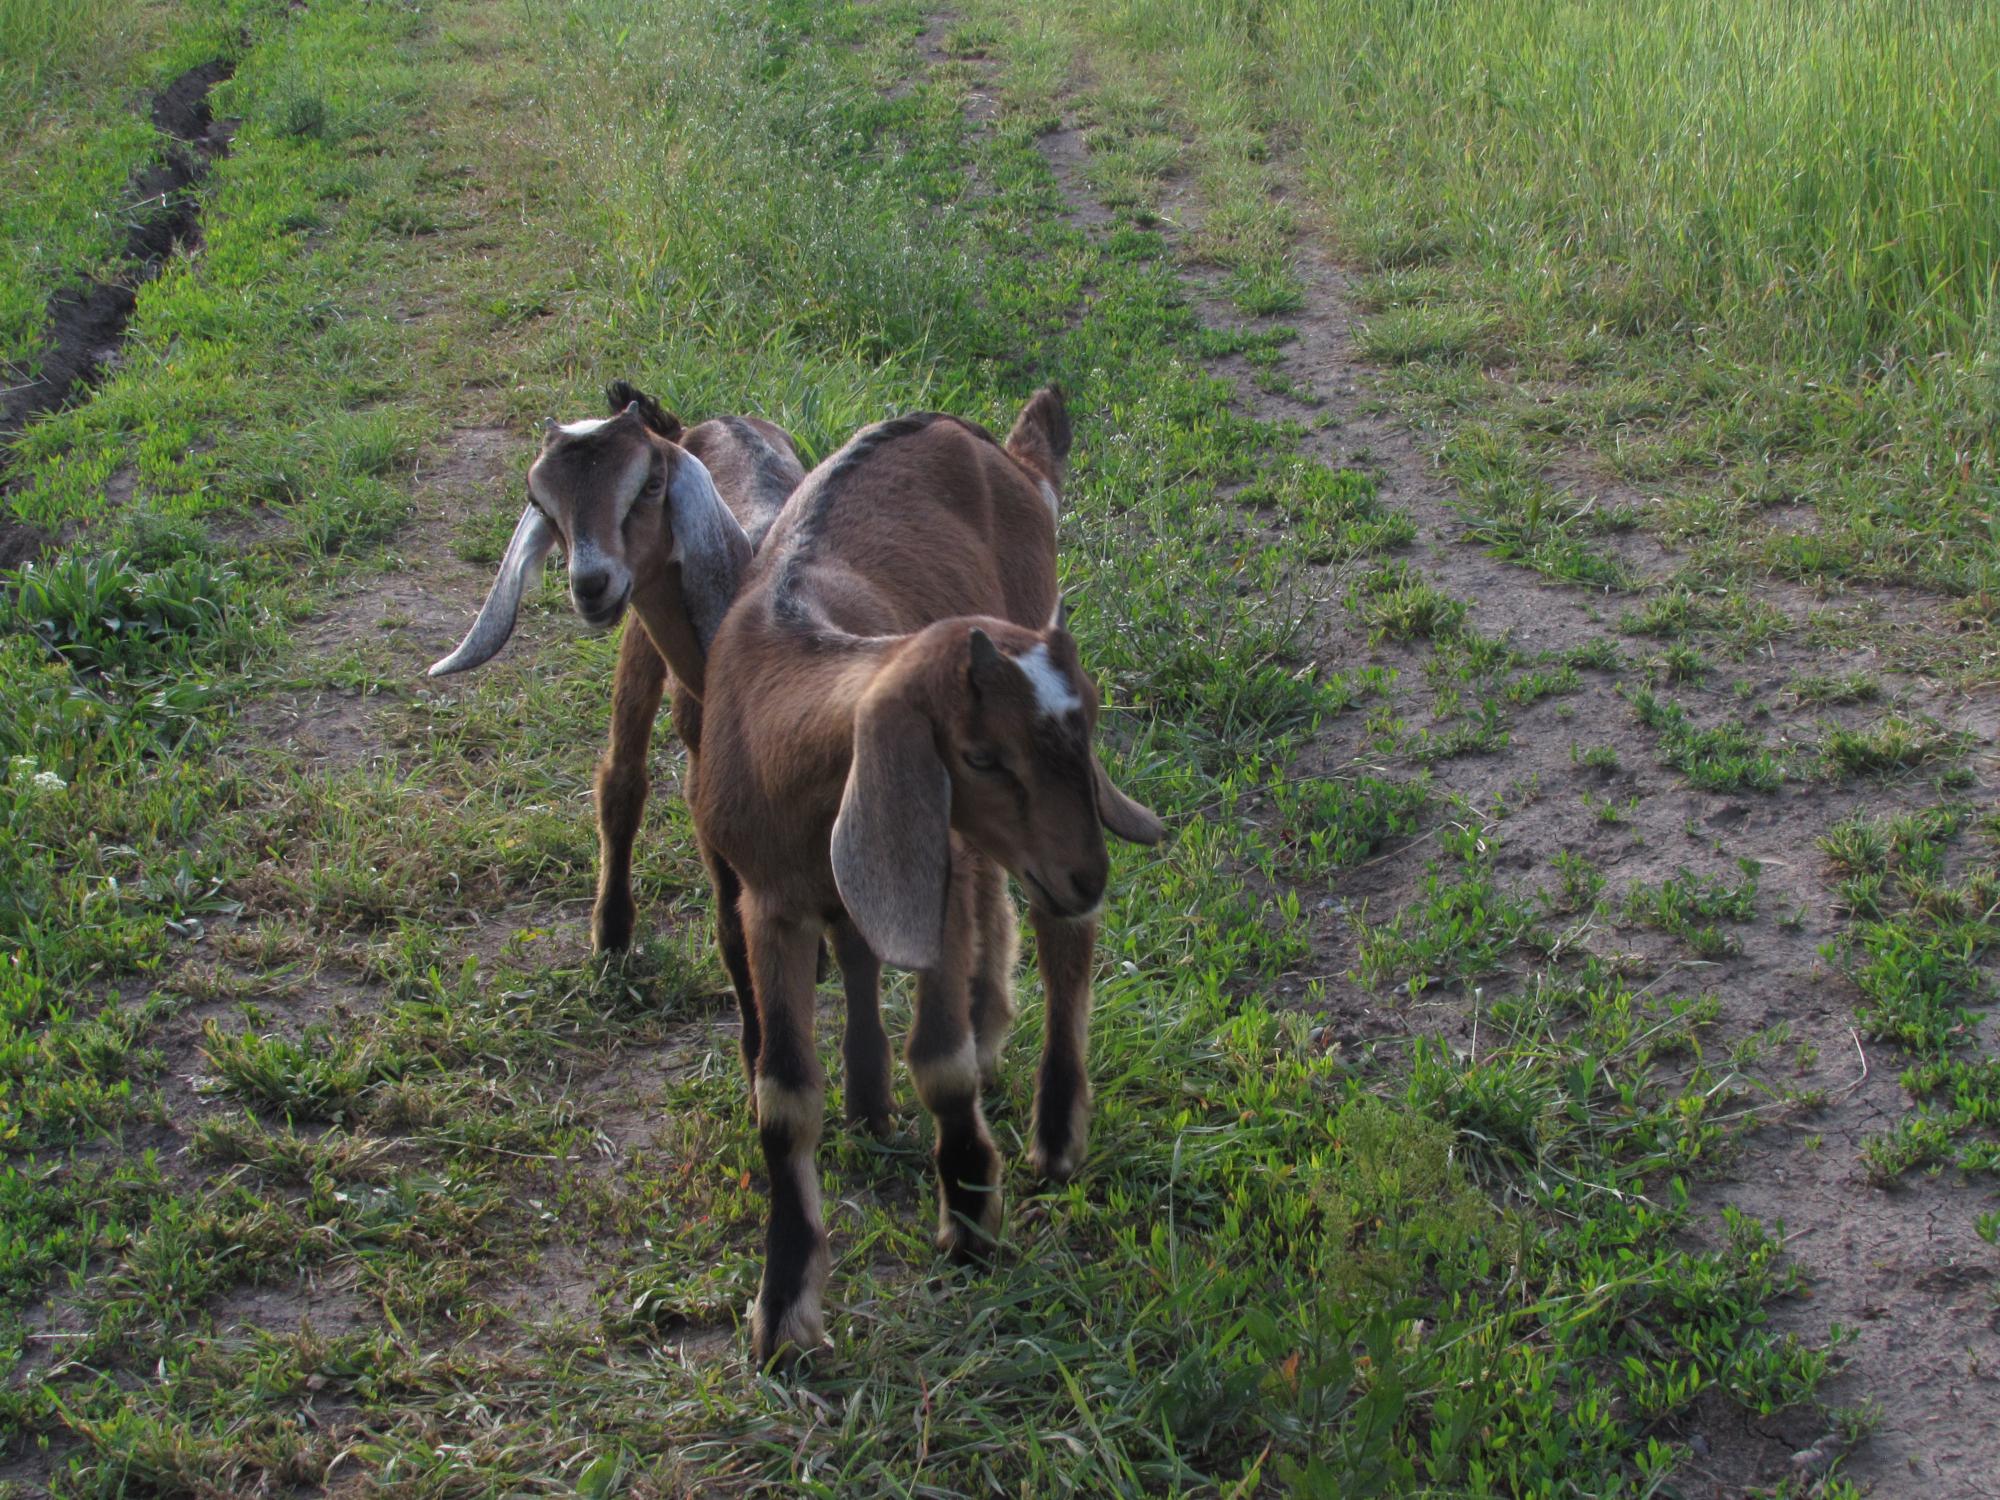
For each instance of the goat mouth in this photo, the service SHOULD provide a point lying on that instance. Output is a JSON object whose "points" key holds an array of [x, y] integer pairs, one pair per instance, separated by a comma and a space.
{"points": [[604, 619], [1038, 896]]}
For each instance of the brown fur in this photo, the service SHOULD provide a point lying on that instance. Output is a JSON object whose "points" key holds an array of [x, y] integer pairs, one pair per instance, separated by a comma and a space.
{"points": [[880, 752], [641, 504], [610, 490], [751, 488]]}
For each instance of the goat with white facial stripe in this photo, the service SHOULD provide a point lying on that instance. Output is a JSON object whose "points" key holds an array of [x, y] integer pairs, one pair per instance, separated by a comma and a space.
{"points": [[895, 720]]}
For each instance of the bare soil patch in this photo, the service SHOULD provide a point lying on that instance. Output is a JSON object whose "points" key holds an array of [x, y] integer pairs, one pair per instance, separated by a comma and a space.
{"points": [[418, 610]]}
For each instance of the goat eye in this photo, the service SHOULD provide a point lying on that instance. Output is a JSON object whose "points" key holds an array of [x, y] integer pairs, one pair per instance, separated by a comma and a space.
{"points": [[982, 760]]}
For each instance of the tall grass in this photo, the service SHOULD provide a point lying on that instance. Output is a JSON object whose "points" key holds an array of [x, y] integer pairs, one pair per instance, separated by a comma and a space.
{"points": [[717, 276], [1804, 174]]}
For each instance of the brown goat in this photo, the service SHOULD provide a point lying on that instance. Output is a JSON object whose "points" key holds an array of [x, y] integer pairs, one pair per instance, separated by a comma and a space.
{"points": [[895, 718], [664, 517]]}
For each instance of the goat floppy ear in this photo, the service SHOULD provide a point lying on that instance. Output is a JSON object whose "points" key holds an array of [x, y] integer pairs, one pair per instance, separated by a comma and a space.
{"points": [[533, 536], [1120, 815], [709, 543], [892, 840]]}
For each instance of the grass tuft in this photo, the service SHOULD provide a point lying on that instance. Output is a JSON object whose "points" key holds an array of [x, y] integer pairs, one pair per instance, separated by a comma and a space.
{"points": [[1396, 603]]}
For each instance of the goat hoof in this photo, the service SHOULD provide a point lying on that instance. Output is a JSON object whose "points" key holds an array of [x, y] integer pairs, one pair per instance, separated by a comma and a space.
{"points": [[964, 1246], [1055, 1166], [1058, 1136], [881, 1124], [966, 1242], [780, 1338], [611, 929]]}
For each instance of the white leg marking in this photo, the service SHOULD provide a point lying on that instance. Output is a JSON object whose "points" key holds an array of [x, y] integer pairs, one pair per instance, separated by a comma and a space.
{"points": [[944, 1081], [800, 1111], [992, 1044]]}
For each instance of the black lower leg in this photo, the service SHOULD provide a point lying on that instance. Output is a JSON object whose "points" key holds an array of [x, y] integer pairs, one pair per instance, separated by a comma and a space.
{"points": [[968, 1170], [788, 1315], [791, 1096], [865, 1047], [1062, 1091]]}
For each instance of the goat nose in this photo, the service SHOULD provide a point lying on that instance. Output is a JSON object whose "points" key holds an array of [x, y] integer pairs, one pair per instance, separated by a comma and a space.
{"points": [[590, 587]]}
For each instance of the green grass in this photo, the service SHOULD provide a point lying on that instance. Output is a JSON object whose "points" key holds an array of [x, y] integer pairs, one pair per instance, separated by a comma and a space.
{"points": [[1690, 908], [1716, 758], [1595, 757], [1397, 603], [1461, 925], [1325, 825], [461, 1213], [74, 80], [1889, 745], [1562, 135], [1764, 313], [1914, 953], [1724, 616], [43, 42], [1426, 333], [1836, 688]]}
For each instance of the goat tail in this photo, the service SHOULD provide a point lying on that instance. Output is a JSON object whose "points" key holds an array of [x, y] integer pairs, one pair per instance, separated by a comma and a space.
{"points": [[1041, 436]]}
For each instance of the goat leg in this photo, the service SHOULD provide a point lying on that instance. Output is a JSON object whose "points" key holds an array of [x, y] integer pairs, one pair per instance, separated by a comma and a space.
{"points": [[623, 780], [1062, 1091], [735, 952], [944, 1065], [998, 929], [865, 1047], [786, 1320]]}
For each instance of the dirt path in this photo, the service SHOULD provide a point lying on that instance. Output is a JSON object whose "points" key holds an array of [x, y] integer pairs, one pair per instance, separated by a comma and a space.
{"points": [[1901, 1268]]}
